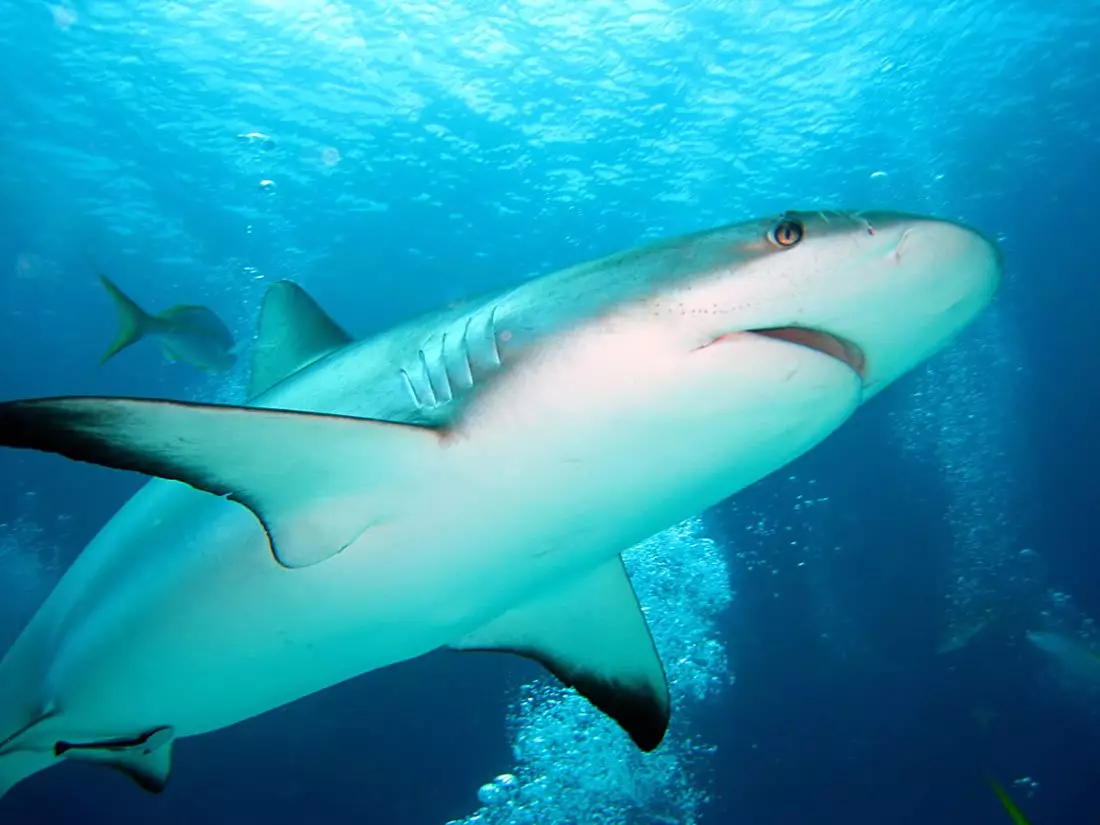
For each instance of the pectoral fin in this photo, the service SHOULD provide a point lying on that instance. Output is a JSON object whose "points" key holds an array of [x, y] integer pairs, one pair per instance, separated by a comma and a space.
{"points": [[315, 482], [592, 635], [147, 759]]}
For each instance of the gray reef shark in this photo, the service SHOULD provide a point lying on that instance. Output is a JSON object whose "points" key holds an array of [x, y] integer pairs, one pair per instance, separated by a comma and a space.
{"points": [[466, 480]]}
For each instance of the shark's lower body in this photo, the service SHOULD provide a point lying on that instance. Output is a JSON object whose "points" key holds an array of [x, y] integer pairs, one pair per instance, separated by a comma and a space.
{"points": [[175, 622]]}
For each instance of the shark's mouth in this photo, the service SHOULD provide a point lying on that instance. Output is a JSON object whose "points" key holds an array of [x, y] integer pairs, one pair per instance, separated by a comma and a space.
{"points": [[826, 343], [844, 351]]}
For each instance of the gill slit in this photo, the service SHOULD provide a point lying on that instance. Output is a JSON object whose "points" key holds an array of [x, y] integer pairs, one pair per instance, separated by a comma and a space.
{"points": [[434, 401], [465, 344], [412, 390], [493, 335]]}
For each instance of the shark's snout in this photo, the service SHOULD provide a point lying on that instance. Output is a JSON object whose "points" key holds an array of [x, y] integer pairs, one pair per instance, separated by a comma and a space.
{"points": [[937, 277], [955, 261], [878, 291]]}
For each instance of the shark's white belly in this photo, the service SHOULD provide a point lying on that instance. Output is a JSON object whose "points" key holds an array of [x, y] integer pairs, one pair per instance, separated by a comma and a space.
{"points": [[593, 448]]}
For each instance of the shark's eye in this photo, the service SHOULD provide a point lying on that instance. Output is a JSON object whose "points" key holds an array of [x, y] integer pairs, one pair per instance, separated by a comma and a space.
{"points": [[786, 233]]}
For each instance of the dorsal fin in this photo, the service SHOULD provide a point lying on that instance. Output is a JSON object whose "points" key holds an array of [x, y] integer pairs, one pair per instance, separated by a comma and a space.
{"points": [[294, 332]]}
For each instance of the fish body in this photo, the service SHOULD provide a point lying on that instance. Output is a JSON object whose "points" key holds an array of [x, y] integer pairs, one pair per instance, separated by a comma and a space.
{"points": [[194, 335], [464, 480]]}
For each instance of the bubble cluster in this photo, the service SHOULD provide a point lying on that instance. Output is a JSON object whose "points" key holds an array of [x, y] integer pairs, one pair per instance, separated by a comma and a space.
{"points": [[956, 421], [573, 764], [28, 569], [499, 792]]}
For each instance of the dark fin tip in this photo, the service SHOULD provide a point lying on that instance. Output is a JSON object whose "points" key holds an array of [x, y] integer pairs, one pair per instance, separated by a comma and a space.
{"points": [[126, 756], [145, 781], [639, 710], [62, 426]]}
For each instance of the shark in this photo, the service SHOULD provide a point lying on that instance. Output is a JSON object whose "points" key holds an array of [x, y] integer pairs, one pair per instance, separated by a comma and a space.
{"points": [[465, 480]]}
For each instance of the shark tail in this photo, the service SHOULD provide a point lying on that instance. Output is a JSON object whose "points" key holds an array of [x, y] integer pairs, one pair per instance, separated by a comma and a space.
{"points": [[146, 758], [133, 322]]}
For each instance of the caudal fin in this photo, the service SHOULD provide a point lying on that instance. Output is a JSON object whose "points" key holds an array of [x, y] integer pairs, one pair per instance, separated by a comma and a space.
{"points": [[145, 758], [133, 321]]}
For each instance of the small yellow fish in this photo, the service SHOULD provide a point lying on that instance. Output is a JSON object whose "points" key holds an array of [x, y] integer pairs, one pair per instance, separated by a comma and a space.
{"points": [[193, 334], [1014, 813]]}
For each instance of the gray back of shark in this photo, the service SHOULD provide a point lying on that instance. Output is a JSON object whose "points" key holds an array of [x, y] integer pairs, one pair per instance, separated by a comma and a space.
{"points": [[426, 371]]}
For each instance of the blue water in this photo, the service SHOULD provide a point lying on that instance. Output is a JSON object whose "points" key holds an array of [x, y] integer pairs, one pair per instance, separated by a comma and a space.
{"points": [[851, 629]]}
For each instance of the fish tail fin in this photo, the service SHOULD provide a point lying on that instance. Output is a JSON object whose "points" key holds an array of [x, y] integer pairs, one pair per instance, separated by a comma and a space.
{"points": [[133, 322]]}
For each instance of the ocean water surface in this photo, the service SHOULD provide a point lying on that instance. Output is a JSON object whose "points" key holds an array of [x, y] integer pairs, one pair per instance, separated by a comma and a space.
{"points": [[861, 637]]}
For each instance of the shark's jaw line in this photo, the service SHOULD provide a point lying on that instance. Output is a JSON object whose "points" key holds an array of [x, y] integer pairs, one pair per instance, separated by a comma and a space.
{"points": [[826, 343]]}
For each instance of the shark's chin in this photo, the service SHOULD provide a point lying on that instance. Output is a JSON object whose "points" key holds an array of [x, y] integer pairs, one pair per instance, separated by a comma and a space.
{"points": [[826, 343]]}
